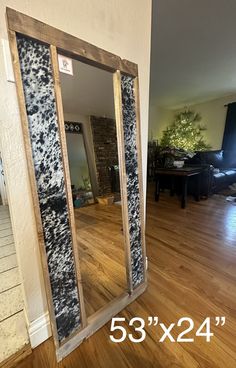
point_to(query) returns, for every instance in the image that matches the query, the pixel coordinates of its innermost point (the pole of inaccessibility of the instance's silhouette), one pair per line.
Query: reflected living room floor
(101, 251)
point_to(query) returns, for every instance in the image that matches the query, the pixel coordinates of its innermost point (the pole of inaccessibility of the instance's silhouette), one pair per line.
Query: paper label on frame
(65, 64)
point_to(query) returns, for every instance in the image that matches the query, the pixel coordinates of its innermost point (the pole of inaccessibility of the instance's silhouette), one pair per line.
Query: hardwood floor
(192, 272)
(101, 252)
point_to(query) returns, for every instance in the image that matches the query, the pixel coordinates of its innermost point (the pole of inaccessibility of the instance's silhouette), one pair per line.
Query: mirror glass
(78, 163)
(89, 114)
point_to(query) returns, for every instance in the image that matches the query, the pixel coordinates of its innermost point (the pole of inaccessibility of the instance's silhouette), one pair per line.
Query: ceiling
(193, 51)
(88, 92)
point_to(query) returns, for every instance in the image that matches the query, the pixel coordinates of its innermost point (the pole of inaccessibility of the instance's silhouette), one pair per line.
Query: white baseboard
(39, 330)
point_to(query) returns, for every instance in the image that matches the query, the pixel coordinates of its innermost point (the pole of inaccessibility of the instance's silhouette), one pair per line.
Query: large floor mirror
(80, 120)
(91, 136)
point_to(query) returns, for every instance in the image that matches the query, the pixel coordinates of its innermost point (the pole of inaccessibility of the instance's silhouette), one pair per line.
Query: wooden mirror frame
(125, 74)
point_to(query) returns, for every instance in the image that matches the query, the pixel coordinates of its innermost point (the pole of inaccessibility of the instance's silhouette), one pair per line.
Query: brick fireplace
(106, 155)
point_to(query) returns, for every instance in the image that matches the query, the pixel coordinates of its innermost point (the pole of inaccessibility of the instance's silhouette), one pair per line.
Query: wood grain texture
(140, 176)
(192, 259)
(102, 256)
(73, 46)
(62, 133)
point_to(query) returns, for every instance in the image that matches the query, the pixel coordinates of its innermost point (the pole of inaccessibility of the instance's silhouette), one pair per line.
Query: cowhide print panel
(131, 163)
(37, 78)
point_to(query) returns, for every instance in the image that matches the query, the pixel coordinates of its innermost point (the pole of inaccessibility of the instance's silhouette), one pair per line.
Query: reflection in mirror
(78, 164)
(94, 171)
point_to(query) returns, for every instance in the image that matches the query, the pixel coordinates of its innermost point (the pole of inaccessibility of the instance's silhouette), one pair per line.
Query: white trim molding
(40, 330)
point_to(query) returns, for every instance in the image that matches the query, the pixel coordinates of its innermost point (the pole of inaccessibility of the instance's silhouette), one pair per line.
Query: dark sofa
(222, 168)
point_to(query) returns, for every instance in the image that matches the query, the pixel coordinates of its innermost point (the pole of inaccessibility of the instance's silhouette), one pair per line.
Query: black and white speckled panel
(131, 162)
(36, 70)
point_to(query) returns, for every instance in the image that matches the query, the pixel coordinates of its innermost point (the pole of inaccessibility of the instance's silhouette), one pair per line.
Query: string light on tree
(185, 133)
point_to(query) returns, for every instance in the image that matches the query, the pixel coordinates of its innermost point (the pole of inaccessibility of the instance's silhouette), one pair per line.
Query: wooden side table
(185, 173)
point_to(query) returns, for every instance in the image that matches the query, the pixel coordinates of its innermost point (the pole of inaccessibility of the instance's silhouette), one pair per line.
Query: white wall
(109, 24)
(3, 190)
(159, 119)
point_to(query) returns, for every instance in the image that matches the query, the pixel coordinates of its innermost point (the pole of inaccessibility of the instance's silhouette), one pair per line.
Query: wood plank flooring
(101, 251)
(192, 272)
(13, 334)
